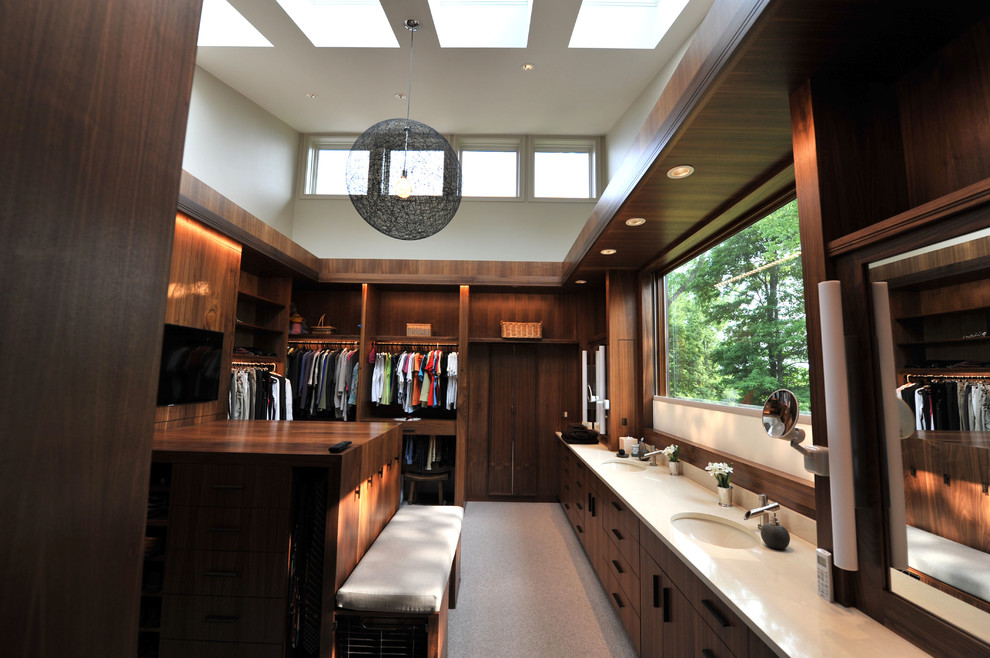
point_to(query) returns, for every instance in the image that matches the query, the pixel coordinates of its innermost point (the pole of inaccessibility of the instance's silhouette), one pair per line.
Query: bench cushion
(407, 567)
(955, 564)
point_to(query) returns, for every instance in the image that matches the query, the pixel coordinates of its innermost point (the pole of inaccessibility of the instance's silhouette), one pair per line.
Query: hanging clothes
(326, 389)
(948, 404)
(415, 379)
(256, 393)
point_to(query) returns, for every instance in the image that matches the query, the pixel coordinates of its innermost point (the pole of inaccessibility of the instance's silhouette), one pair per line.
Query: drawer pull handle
(618, 600)
(656, 590)
(618, 535)
(618, 567)
(722, 621)
(708, 653)
(221, 574)
(219, 619)
(580, 529)
(579, 506)
(666, 605)
(591, 504)
(228, 487)
(617, 506)
(222, 529)
(567, 507)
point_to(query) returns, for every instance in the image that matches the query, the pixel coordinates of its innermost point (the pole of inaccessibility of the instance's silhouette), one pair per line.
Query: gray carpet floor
(528, 590)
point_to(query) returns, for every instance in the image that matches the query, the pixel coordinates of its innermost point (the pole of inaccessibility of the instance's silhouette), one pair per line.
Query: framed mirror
(932, 320)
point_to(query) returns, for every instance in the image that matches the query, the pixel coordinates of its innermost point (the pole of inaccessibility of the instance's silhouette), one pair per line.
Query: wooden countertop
(270, 441)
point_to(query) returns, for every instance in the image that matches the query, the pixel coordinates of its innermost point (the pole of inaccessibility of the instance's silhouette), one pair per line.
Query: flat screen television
(190, 366)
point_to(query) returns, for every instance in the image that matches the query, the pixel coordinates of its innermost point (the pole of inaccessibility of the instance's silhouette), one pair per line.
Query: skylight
(222, 25)
(342, 23)
(482, 23)
(630, 24)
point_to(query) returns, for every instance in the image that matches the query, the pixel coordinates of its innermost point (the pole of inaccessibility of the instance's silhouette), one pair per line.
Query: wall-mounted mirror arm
(780, 414)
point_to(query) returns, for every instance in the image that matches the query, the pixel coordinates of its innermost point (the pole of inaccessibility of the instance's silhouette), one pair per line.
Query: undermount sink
(623, 465)
(714, 530)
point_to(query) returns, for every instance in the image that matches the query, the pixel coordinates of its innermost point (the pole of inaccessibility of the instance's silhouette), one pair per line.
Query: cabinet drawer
(707, 643)
(712, 611)
(228, 529)
(622, 527)
(226, 573)
(227, 485)
(223, 619)
(623, 605)
(192, 649)
(623, 573)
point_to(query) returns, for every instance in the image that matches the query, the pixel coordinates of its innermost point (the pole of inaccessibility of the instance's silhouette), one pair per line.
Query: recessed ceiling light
(401, 96)
(580, 282)
(680, 171)
(607, 252)
(635, 221)
(311, 96)
(527, 67)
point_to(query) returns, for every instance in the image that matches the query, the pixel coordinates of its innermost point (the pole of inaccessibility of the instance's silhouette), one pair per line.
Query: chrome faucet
(652, 456)
(763, 511)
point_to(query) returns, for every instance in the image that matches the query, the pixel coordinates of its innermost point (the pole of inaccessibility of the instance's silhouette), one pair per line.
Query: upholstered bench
(398, 594)
(958, 565)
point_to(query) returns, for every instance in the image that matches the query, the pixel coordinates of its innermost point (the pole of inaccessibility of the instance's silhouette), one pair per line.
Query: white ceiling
(456, 91)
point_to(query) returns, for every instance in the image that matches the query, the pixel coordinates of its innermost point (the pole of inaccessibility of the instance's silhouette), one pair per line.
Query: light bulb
(403, 188)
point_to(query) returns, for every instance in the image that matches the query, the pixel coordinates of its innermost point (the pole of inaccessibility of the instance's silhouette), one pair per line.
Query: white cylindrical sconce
(891, 426)
(837, 420)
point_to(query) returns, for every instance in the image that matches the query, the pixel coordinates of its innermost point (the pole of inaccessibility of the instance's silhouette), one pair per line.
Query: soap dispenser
(774, 535)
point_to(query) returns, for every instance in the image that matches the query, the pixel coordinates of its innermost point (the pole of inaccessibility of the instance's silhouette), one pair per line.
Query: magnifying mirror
(780, 416)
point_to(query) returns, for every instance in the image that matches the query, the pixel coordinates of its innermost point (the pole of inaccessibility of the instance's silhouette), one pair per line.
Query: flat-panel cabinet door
(513, 455)
(667, 620)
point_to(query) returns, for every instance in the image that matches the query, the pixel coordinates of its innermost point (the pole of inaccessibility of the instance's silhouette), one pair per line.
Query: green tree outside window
(735, 317)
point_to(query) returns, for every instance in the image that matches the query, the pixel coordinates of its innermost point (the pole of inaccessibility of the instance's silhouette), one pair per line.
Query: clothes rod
(244, 364)
(911, 377)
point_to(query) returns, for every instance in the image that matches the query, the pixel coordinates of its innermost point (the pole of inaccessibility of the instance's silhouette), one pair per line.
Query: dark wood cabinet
(227, 554)
(667, 627)
(663, 605)
(513, 429)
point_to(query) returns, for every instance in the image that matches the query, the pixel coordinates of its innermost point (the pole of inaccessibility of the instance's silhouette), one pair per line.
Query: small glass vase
(675, 468)
(724, 496)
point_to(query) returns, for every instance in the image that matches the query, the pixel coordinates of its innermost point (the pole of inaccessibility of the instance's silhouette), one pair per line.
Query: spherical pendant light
(407, 190)
(403, 177)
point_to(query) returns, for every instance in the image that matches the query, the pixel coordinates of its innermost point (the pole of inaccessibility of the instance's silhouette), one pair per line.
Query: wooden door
(513, 422)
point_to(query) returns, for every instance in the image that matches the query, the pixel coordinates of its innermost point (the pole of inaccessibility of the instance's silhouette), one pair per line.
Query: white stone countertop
(775, 592)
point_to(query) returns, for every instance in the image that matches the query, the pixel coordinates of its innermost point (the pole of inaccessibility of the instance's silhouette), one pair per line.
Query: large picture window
(735, 317)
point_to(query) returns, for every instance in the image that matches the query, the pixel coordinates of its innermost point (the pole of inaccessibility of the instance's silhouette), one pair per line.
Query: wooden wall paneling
(813, 262)
(558, 391)
(478, 377)
(944, 107)
(440, 272)
(370, 318)
(439, 309)
(624, 364)
(653, 345)
(212, 208)
(202, 293)
(463, 423)
(556, 310)
(92, 125)
(341, 305)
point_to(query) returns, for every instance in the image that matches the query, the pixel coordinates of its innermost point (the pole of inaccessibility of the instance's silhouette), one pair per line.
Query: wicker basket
(418, 329)
(322, 329)
(531, 330)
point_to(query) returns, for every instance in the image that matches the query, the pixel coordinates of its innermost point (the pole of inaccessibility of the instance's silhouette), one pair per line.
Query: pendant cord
(405, 151)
